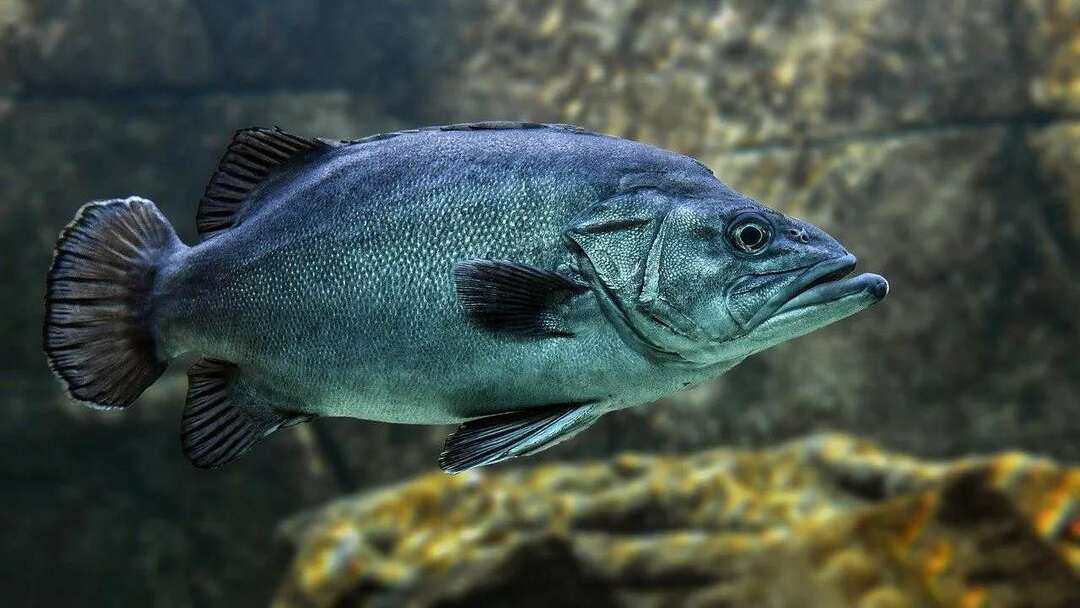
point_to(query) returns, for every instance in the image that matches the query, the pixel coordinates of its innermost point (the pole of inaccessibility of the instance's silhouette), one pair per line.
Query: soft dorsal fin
(223, 418)
(485, 441)
(253, 155)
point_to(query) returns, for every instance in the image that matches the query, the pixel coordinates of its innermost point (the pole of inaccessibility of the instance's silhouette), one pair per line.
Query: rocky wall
(824, 522)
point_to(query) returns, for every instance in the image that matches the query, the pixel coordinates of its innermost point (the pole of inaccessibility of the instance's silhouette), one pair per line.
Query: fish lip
(809, 281)
(871, 284)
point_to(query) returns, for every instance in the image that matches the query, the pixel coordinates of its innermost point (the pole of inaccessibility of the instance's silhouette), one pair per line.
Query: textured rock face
(827, 521)
(185, 46)
(1052, 41)
(699, 76)
(73, 44)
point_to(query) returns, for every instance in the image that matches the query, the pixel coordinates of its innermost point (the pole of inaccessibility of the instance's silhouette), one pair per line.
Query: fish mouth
(821, 283)
(828, 282)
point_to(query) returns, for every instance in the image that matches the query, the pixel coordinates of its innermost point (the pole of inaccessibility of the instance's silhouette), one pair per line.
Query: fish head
(714, 277)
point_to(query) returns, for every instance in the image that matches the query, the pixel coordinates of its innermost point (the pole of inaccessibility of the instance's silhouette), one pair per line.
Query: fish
(518, 280)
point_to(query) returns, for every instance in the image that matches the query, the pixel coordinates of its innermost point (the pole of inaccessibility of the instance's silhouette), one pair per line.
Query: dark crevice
(334, 457)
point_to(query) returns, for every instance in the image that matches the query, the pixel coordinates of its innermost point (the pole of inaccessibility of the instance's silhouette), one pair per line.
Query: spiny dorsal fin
(505, 296)
(485, 441)
(221, 423)
(252, 156)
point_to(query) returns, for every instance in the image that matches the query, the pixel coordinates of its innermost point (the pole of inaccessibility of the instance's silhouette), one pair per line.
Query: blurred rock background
(826, 521)
(939, 140)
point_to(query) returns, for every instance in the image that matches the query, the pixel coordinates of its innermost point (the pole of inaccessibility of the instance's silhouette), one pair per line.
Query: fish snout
(807, 235)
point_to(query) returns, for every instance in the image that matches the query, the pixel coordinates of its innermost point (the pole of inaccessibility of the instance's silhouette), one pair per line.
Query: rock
(825, 521)
(709, 76)
(197, 46)
(1058, 151)
(81, 44)
(1053, 43)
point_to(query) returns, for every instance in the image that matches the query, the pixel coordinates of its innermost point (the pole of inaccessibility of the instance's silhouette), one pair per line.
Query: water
(937, 140)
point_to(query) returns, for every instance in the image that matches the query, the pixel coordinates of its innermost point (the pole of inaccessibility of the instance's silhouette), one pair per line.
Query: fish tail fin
(99, 335)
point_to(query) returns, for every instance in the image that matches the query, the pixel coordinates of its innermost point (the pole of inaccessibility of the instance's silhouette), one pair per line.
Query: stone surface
(75, 44)
(1058, 150)
(826, 521)
(186, 47)
(1053, 42)
(699, 76)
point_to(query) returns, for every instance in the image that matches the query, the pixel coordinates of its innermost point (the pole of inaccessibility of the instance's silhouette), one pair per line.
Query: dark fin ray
(252, 156)
(510, 297)
(493, 439)
(220, 423)
(98, 333)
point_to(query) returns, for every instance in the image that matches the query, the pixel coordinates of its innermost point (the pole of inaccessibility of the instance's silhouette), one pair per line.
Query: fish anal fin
(506, 296)
(253, 155)
(492, 439)
(224, 418)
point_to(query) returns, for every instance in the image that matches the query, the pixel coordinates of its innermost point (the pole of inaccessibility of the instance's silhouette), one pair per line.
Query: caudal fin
(98, 334)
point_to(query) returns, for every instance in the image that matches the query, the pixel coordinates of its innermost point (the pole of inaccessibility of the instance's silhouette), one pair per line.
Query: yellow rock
(825, 521)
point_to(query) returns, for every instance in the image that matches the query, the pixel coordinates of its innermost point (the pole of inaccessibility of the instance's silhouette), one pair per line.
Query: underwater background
(923, 453)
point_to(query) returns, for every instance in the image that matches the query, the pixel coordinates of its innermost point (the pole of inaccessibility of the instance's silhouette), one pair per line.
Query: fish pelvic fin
(509, 297)
(253, 156)
(492, 439)
(99, 333)
(224, 417)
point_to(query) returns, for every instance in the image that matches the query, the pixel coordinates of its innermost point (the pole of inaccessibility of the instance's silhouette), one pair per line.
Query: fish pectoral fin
(505, 296)
(223, 417)
(485, 441)
(253, 156)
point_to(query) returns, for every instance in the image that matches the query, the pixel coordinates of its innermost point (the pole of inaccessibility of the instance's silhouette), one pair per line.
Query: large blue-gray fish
(518, 279)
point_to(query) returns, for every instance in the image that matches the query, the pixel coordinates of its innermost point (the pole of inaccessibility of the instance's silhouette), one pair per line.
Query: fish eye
(749, 235)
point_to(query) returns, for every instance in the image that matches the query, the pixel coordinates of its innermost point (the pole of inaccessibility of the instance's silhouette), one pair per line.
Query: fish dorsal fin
(253, 155)
(485, 441)
(223, 418)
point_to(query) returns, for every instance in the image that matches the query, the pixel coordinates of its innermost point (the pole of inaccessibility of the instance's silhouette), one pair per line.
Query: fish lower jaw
(825, 293)
(803, 317)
